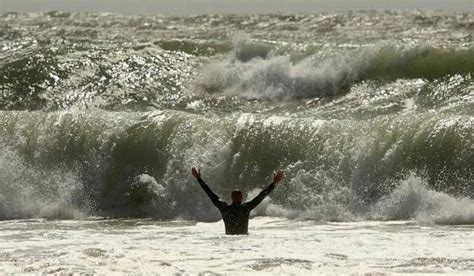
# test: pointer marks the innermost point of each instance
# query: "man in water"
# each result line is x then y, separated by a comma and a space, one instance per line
236, 215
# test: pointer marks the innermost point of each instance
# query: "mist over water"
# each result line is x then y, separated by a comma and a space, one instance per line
103, 114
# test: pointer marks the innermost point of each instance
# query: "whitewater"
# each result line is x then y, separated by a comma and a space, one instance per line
370, 115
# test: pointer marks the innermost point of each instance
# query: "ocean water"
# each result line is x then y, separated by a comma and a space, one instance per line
370, 115
275, 246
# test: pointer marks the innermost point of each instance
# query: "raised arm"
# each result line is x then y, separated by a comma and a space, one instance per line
261, 196
214, 198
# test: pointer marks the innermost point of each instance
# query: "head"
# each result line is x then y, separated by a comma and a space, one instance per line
237, 197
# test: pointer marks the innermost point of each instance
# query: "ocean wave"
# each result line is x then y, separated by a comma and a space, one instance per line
104, 114
137, 165
198, 48
115, 78
252, 71
27, 191
412, 199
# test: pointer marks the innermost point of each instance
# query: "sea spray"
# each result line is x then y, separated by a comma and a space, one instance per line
259, 74
103, 114
412, 199
139, 165
28, 191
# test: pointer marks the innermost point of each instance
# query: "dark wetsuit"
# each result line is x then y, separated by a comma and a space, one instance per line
236, 216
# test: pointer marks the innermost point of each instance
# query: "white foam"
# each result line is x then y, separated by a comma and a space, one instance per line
29, 192
274, 246
413, 200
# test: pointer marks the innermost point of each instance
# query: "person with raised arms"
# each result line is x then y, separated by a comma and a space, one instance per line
236, 215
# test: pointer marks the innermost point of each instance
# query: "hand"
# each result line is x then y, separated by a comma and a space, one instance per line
278, 177
196, 173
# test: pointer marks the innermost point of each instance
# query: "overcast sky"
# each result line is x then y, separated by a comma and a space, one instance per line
230, 6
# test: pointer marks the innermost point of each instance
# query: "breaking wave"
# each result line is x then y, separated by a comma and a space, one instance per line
412, 199
104, 114
253, 71
66, 164
27, 191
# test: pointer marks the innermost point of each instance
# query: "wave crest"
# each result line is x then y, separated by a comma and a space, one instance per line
253, 71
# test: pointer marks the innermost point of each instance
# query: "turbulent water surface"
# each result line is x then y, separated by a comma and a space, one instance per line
370, 114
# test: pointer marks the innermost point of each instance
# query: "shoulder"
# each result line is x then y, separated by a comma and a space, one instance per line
246, 205
223, 204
